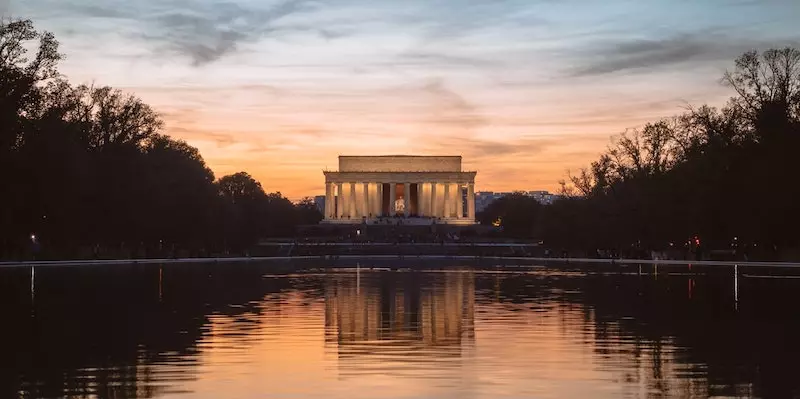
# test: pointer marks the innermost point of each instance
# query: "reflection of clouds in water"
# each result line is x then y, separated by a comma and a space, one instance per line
233, 331
527, 334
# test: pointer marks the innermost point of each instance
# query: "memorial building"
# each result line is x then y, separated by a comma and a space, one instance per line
404, 189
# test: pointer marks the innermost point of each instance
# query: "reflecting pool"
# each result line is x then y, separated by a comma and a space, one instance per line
251, 331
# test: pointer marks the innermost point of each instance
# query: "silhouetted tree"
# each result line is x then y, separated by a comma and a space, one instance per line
243, 204
721, 175
240, 188
90, 168
21, 78
281, 216
307, 212
516, 213
180, 193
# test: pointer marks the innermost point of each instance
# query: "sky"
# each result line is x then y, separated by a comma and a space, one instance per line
523, 90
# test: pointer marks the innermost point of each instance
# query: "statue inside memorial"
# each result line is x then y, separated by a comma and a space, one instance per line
399, 205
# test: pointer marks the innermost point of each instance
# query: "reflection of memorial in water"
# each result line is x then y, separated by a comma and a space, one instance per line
399, 316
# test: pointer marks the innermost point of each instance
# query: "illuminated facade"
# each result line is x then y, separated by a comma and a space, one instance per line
425, 188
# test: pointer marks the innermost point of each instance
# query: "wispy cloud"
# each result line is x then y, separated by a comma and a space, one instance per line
206, 35
641, 55
524, 89
449, 60
452, 109
202, 31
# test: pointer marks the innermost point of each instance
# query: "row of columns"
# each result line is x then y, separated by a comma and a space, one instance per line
438, 200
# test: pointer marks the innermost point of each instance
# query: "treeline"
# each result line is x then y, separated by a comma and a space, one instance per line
89, 169
720, 178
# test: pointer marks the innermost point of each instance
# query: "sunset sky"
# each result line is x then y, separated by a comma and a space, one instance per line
524, 90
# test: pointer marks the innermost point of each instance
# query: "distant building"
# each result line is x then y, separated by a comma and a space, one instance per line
319, 201
484, 198
544, 197
385, 189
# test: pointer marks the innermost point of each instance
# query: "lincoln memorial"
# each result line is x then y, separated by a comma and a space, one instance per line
415, 189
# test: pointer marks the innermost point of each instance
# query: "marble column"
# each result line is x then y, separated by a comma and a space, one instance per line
346, 201
447, 201
471, 201
379, 206
434, 213
366, 211
454, 199
351, 202
392, 198
328, 199
373, 199
426, 198
406, 199
459, 201
339, 201
420, 200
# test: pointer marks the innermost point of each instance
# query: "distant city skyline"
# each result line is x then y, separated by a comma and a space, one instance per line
484, 198
524, 90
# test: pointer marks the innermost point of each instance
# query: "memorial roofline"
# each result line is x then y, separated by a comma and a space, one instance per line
399, 171
396, 156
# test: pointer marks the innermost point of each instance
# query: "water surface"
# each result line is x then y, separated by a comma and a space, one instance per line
247, 331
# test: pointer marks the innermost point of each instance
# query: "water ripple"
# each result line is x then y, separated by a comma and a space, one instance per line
358, 333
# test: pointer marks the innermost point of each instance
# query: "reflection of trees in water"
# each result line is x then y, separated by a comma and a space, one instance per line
400, 316
676, 335
126, 332
122, 331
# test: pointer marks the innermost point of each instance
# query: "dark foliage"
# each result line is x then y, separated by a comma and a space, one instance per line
726, 176
516, 213
87, 170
